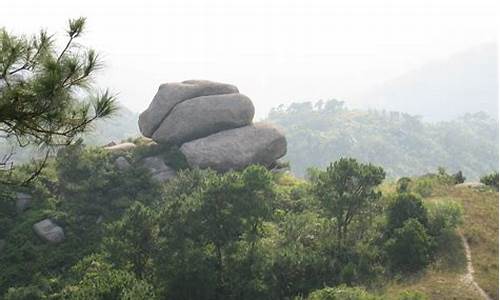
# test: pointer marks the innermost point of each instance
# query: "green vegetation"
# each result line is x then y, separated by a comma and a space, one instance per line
344, 233
46, 95
475, 211
403, 144
491, 180
251, 234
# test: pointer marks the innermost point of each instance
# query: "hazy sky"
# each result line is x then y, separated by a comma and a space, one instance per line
274, 51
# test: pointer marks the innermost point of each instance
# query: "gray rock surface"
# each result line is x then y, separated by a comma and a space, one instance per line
121, 163
202, 116
171, 94
49, 231
236, 148
159, 170
23, 202
121, 147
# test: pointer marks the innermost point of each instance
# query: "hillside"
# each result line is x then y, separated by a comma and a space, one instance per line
446, 278
466, 82
403, 144
117, 231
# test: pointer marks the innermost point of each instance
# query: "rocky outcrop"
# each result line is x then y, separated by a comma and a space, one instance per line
159, 170
49, 231
23, 202
171, 94
237, 148
212, 124
120, 147
202, 116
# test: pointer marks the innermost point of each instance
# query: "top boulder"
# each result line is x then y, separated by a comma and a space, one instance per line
171, 94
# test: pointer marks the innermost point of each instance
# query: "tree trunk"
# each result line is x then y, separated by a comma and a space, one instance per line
219, 291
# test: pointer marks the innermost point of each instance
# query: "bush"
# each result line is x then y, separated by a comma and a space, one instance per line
342, 293
410, 295
423, 186
458, 177
444, 216
410, 247
94, 278
490, 180
403, 207
403, 185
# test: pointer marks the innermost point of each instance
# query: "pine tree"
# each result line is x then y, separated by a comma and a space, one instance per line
47, 97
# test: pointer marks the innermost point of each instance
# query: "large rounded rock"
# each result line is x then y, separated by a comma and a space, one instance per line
236, 148
202, 116
171, 94
49, 231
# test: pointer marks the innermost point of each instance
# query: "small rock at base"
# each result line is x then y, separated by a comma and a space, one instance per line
49, 231
159, 170
121, 163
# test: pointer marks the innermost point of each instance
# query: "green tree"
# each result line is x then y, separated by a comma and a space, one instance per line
404, 207
403, 185
347, 190
95, 278
133, 240
490, 180
410, 247
43, 90
459, 177
205, 226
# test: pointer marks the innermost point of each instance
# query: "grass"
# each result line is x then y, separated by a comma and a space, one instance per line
441, 280
481, 231
444, 278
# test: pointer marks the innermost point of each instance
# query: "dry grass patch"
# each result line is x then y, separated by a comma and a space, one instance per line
481, 231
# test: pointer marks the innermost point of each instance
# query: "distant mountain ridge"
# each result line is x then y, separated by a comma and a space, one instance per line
467, 82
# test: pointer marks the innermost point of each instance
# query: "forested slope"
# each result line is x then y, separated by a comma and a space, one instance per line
403, 144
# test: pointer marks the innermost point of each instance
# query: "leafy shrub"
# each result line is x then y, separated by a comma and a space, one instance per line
94, 278
410, 247
30, 292
444, 216
404, 207
458, 177
403, 185
411, 295
423, 186
490, 180
342, 293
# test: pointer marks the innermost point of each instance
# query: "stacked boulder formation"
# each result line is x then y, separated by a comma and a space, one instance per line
211, 122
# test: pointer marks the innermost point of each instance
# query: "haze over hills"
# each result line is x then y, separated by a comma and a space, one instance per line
466, 82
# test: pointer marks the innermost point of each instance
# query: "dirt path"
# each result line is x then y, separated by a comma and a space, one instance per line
469, 276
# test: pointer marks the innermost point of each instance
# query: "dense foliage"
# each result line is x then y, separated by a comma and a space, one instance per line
251, 234
491, 180
403, 144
